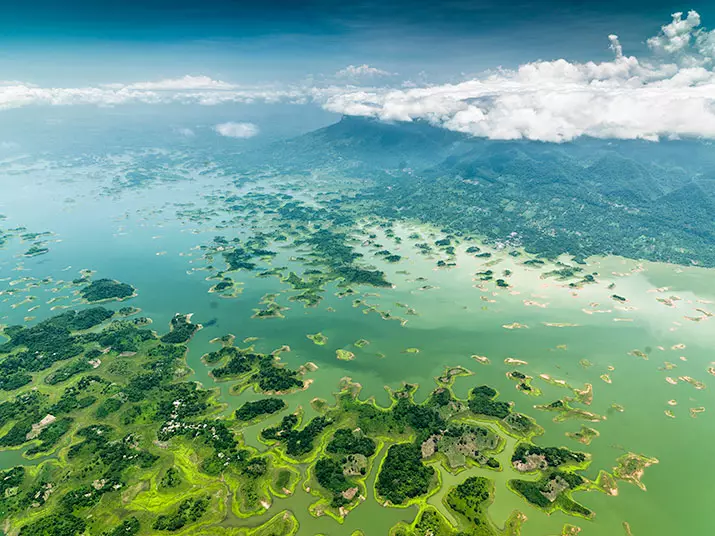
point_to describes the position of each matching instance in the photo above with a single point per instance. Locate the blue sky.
(90, 41)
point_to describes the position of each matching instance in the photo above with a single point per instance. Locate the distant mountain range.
(640, 199)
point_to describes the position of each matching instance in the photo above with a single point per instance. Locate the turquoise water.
(137, 238)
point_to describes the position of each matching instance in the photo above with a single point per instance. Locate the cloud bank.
(200, 90)
(673, 95)
(237, 130)
(669, 94)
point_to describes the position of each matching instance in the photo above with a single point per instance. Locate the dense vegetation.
(257, 408)
(553, 456)
(38, 347)
(470, 499)
(481, 401)
(268, 374)
(347, 441)
(403, 476)
(298, 442)
(329, 474)
(106, 289)
(181, 330)
(188, 511)
(133, 414)
(54, 525)
(552, 492)
(128, 527)
(637, 199)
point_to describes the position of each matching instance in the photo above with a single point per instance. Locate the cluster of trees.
(224, 284)
(470, 499)
(128, 527)
(55, 525)
(554, 456)
(165, 357)
(65, 372)
(76, 397)
(46, 343)
(520, 423)
(239, 259)
(50, 435)
(481, 401)
(171, 479)
(120, 336)
(270, 376)
(107, 407)
(189, 511)
(106, 289)
(17, 435)
(537, 492)
(109, 457)
(330, 470)
(264, 406)
(329, 474)
(346, 441)
(331, 248)
(403, 476)
(34, 411)
(239, 363)
(425, 420)
(216, 356)
(354, 275)
(298, 442)
(21, 405)
(181, 330)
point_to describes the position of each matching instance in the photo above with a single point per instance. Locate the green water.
(120, 238)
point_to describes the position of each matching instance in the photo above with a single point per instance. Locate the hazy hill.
(367, 144)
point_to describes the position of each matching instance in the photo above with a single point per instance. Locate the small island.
(318, 338)
(344, 355)
(107, 290)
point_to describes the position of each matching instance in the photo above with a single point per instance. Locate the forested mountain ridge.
(639, 199)
(367, 145)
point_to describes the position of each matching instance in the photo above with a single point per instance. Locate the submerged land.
(123, 436)
(324, 347)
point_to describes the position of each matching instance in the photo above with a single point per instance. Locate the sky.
(86, 41)
(550, 70)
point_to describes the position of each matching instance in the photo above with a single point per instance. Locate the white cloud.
(359, 71)
(671, 94)
(559, 100)
(676, 36)
(237, 130)
(185, 83)
(185, 132)
(686, 41)
(615, 46)
(186, 90)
